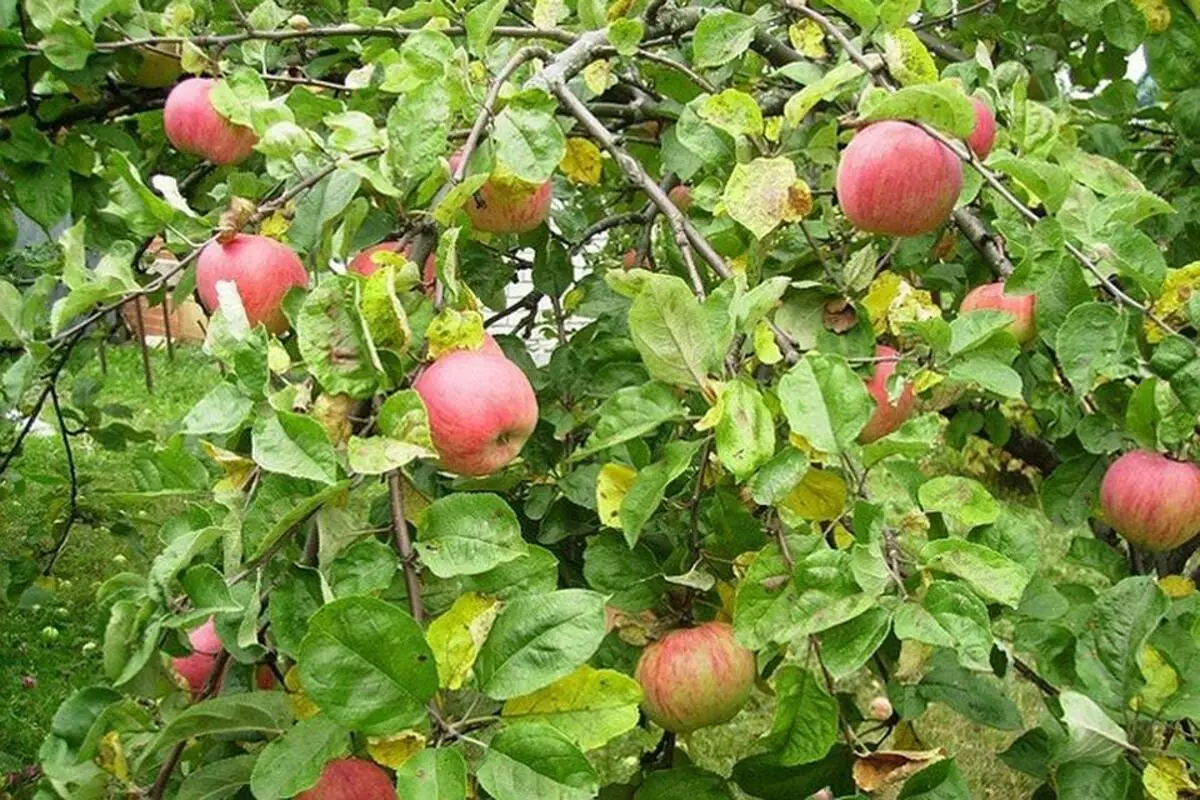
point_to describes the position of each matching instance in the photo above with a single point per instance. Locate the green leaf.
(418, 126)
(1091, 735)
(941, 105)
(1134, 255)
(1069, 491)
(433, 774)
(778, 477)
(939, 781)
(975, 697)
(745, 434)
(295, 445)
(43, 191)
(293, 762)
(528, 141)
(246, 714)
(331, 340)
(850, 645)
(535, 760)
(222, 411)
(763, 777)
(908, 59)
(651, 483)
(1095, 342)
(669, 328)
(1122, 617)
(68, 46)
(1046, 182)
(466, 534)
(631, 577)
(631, 412)
(686, 781)
(733, 111)
(722, 36)
(480, 22)
(218, 780)
(961, 499)
(964, 617)
(626, 34)
(989, 374)
(806, 718)
(766, 606)
(994, 577)
(864, 13)
(832, 82)
(538, 639)
(365, 663)
(825, 402)
(895, 13)
(590, 706)
(765, 193)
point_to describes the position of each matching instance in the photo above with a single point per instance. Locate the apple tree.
(825, 305)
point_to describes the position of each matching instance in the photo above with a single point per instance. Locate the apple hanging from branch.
(351, 779)
(888, 415)
(262, 269)
(1021, 307)
(193, 125)
(1152, 500)
(984, 136)
(896, 179)
(196, 669)
(481, 408)
(695, 677)
(507, 204)
(365, 264)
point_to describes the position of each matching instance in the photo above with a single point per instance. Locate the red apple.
(264, 678)
(984, 136)
(197, 668)
(1022, 307)
(153, 68)
(681, 196)
(896, 179)
(1151, 500)
(263, 271)
(351, 779)
(695, 677)
(193, 125)
(481, 410)
(888, 416)
(630, 259)
(505, 205)
(365, 265)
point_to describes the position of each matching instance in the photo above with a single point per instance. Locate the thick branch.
(983, 241)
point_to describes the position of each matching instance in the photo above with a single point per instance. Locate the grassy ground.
(49, 644)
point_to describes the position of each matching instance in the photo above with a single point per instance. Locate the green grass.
(72, 659)
(28, 525)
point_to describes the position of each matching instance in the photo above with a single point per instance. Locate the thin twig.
(72, 475)
(147, 370)
(403, 544)
(211, 688)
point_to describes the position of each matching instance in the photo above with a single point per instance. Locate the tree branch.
(403, 545)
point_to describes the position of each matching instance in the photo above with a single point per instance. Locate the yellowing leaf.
(891, 767)
(111, 756)
(236, 469)
(715, 412)
(809, 39)
(773, 128)
(597, 75)
(581, 162)
(612, 484)
(590, 706)
(394, 750)
(1177, 587)
(926, 379)
(546, 13)
(820, 495)
(1165, 778)
(454, 330)
(1157, 14)
(893, 303)
(1172, 301)
(275, 226)
(456, 636)
(733, 111)
(618, 9)
(907, 59)
(302, 707)
(1162, 680)
(766, 349)
(764, 193)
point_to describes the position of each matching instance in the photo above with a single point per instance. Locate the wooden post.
(141, 332)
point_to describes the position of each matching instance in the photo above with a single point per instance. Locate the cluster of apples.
(481, 406)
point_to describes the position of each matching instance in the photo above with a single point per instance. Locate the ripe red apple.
(481, 410)
(1022, 307)
(153, 68)
(197, 668)
(365, 265)
(263, 271)
(1151, 500)
(896, 179)
(351, 779)
(505, 205)
(984, 136)
(695, 677)
(681, 196)
(888, 416)
(193, 125)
